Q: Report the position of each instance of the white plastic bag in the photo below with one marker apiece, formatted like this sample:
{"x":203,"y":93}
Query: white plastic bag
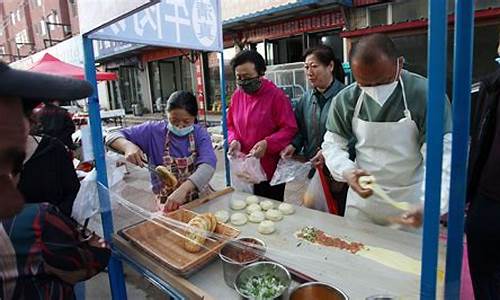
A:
{"x":289,"y":170}
{"x":245,"y":172}
{"x":86,"y":203}
{"x":314,"y":196}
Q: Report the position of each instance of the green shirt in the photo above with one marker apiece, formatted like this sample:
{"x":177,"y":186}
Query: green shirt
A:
{"x":341,"y":113}
{"x":313,"y":106}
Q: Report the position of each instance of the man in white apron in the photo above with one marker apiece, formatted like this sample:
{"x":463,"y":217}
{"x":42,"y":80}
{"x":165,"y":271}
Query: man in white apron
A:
{"x":385,"y":112}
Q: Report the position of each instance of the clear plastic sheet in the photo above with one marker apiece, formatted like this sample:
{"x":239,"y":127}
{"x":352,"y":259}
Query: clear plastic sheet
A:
{"x":289,"y":170}
{"x":359,"y":275}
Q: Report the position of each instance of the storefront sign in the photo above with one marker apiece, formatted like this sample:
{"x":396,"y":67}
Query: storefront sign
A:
{"x":96,"y":13}
{"x":105,"y":49}
{"x":189,"y":24}
{"x":292,"y":27}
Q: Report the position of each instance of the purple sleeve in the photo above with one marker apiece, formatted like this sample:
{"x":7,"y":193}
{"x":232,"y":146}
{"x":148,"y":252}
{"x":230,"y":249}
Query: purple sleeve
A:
{"x":204,"y":148}
{"x":141,"y":134}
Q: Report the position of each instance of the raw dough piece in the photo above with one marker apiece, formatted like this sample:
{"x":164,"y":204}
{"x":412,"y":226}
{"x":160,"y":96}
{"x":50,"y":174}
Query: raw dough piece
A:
{"x":238,"y":204}
{"x":266,"y":204}
{"x":274,"y":215}
{"x":286,"y":209}
{"x":266,"y":227}
{"x":222,"y":216}
{"x":256,"y":217}
{"x":239,"y":219}
{"x":253,"y":207}
{"x":252,"y":200}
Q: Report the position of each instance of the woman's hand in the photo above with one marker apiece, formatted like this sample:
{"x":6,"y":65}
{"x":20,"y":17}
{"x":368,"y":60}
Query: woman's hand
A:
{"x":259,"y":149}
{"x":179,"y":196}
{"x":134,"y":154}
{"x":288,"y":152}
{"x":318,"y":159}
{"x":234,"y":148}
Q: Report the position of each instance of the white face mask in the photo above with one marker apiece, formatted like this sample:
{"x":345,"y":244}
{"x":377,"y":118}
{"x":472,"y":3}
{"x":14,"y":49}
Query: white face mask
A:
{"x":381,"y":93}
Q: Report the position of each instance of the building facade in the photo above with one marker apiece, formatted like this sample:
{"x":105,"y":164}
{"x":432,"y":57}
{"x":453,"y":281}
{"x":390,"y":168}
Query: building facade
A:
{"x":29,"y":26}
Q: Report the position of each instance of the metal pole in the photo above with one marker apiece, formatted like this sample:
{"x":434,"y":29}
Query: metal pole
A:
{"x":224,"y":116}
{"x":115,"y":267}
{"x":435,"y":111}
{"x":462,"y":68}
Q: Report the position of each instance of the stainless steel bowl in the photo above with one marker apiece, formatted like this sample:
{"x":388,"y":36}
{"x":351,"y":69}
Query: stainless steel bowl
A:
{"x":260,"y":268}
{"x":230,"y":267}
{"x":317,"y":290}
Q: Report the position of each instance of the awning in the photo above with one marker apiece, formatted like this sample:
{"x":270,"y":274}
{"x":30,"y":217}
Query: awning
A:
{"x":52,"y":65}
{"x":289,"y":8}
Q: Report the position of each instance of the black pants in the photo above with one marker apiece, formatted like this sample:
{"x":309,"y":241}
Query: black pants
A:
{"x":483,"y":240}
{"x":276,"y":192}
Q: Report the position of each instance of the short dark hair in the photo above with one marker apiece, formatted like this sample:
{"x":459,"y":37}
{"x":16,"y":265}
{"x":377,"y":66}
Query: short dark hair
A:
{"x":249,"y":56}
{"x":369,"y":49}
{"x":183,"y":100}
{"x":326,"y":55}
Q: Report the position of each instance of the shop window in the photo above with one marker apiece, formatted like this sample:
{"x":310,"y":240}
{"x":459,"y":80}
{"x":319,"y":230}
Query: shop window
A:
{"x":283,"y":51}
{"x":127,"y":90}
{"x":404,"y":11}
{"x":213,"y":81}
{"x":331,"y":39}
{"x":377,"y":15}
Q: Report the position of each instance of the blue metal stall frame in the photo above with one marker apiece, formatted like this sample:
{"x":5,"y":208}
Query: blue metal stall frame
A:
{"x":436,"y":96}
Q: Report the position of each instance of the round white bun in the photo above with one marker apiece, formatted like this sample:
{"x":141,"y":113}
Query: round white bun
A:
{"x":222,"y":216}
{"x":266,"y":227}
{"x":266,"y":204}
{"x":286,"y":208}
{"x":256,"y":217}
{"x":252,"y":200}
{"x":252,"y":208}
{"x":274,"y":215}
{"x":239,"y":219}
{"x":238,"y":204}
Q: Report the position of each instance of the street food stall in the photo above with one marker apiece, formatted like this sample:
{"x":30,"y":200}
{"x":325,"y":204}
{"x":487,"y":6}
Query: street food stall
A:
{"x":184,"y":253}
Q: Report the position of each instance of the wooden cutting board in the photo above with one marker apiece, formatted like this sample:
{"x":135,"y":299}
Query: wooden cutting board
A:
{"x":155,"y":237}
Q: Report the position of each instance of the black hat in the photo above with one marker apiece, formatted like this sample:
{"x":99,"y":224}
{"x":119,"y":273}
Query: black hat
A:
{"x":37,"y":87}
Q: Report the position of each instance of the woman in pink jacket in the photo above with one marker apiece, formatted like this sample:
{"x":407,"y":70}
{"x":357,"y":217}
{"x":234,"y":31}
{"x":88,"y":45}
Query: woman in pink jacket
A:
{"x":260,"y":120}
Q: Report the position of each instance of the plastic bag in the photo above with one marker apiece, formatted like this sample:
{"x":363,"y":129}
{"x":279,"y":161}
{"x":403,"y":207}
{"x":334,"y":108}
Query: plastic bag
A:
{"x":314,"y":197}
{"x":245,"y":172}
{"x":289,"y":170}
{"x":86,"y":203}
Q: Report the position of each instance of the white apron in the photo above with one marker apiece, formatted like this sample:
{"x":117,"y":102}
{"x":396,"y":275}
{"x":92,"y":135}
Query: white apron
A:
{"x":390,"y":152}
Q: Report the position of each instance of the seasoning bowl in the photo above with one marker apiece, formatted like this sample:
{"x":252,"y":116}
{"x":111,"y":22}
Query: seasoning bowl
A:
{"x":260,"y":269}
{"x":317,"y":290}
{"x":240,"y":248}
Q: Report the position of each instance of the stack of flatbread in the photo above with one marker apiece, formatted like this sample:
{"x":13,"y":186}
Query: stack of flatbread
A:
{"x":198,"y":229}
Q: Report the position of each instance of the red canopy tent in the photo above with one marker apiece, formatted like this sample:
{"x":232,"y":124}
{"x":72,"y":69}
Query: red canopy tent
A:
{"x":52,"y":65}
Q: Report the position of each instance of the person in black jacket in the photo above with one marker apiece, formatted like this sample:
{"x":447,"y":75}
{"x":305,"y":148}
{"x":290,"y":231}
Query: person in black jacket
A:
{"x":483,"y":219}
{"x":48,"y":174}
{"x":55,"y":121}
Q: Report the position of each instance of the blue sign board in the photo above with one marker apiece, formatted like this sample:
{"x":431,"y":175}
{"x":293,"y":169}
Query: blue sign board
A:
{"x":189,"y":24}
{"x":105,"y":49}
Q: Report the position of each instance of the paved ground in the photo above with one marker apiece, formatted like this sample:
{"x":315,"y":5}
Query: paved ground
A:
{"x":136,"y":186}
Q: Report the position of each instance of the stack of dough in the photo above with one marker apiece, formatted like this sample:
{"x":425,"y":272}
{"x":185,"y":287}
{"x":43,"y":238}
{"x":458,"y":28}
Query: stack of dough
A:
{"x":198,"y":229}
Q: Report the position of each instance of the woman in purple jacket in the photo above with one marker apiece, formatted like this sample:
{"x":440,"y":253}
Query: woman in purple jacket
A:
{"x":179,"y":144}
